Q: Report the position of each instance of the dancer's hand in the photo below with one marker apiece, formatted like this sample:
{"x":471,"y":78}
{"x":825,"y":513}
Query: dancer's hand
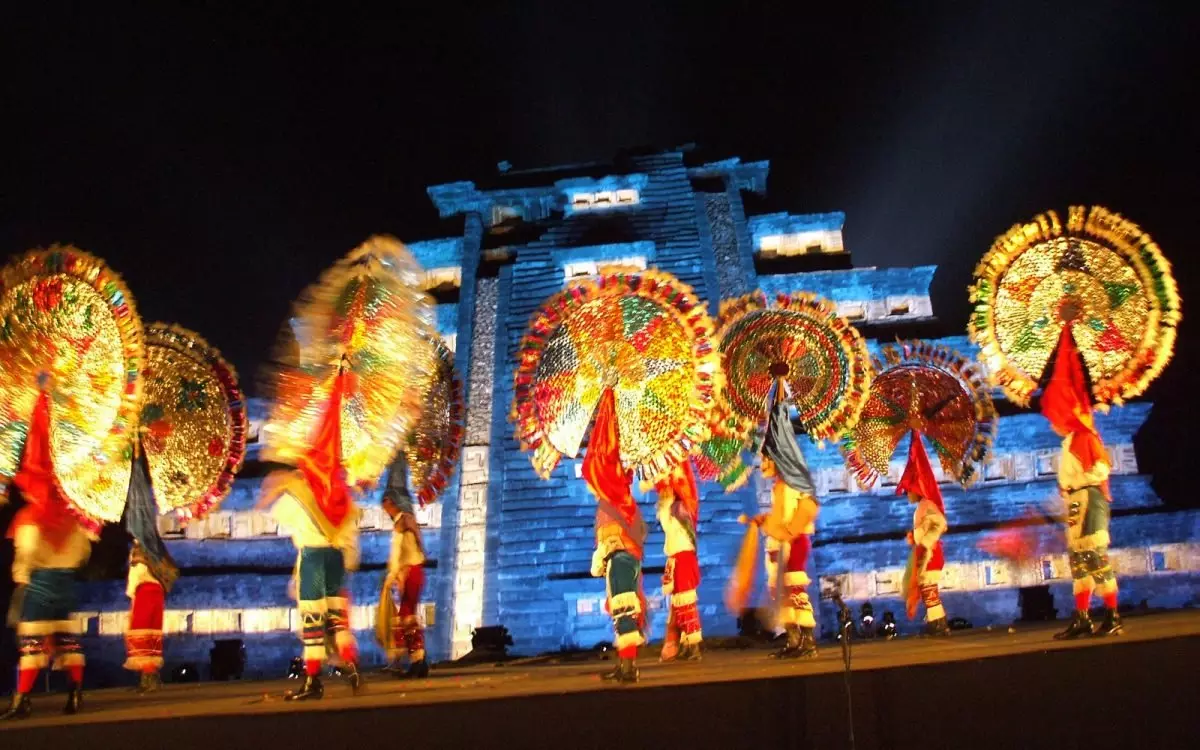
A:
{"x":598,"y":563}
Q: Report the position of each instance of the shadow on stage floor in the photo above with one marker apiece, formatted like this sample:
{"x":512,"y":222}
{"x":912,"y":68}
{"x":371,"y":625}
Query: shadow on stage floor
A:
{"x":980,"y":689}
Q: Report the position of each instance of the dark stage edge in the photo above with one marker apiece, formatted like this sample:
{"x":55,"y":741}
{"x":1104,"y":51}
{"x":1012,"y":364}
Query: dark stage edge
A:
{"x":976,"y":689}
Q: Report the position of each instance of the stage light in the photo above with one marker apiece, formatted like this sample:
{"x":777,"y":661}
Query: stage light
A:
{"x":867,"y":620}
{"x":185,"y":673}
{"x":888,"y":628}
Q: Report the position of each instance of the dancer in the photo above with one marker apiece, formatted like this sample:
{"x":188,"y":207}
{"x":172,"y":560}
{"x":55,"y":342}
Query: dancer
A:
{"x":405,"y":572}
{"x":924,"y":572}
{"x":152,"y":573}
{"x":1083,"y":469}
{"x":788,"y":528}
{"x":50,"y":546}
{"x":678,"y":513}
{"x":620,"y":538}
{"x":314,"y":504}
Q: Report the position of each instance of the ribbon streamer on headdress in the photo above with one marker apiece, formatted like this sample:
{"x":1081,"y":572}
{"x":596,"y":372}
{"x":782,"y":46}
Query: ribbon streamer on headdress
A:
{"x":608,"y":480}
{"x":1066,"y":405}
{"x":141,"y":521}
{"x":45,"y":506}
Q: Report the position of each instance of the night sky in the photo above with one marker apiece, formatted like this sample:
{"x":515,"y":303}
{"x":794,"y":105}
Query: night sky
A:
{"x":220,"y":160}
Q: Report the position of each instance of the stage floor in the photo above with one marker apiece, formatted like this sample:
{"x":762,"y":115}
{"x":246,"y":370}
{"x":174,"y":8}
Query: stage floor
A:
{"x":543,"y":677}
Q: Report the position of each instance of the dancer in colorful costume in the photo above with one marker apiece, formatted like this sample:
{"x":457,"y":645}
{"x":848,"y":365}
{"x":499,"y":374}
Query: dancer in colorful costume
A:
{"x":191,"y":443}
{"x":152,"y":573}
{"x":923,"y":391}
{"x":620,"y":538}
{"x":314,"y":504}
{"x":634,"y":348}
{"x":1083,"y":469}
{"x":929,"y":523}
{"x":72,"y":354}
{"x":679,"y":515}
{"x":789,"y":527}
{"x":1096,"y":294}
{"x":50,"y":547}
{"x":405,"y":572}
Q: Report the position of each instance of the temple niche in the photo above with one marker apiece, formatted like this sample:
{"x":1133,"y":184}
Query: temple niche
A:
{"x":507,"y":548}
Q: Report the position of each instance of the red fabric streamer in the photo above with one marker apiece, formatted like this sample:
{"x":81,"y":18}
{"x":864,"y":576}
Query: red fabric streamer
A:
{"x":606,"y":478}
{"x":322,"y":463}
{"x":1065,"y":403}
{"x":45,"y":506}
{"x":918,"y":477}
{"x":681,"y":483}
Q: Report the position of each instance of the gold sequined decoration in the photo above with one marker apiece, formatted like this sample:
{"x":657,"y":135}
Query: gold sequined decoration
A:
{"x":66,"y":316}
{"x":193,"y":421}
{"x":433,"y":446}
{"x":643,"y":334}
{"x":1100,"y":274}
{"x":802,"y":339}
{"x":368,"y":308}
{"x":930,"y":389}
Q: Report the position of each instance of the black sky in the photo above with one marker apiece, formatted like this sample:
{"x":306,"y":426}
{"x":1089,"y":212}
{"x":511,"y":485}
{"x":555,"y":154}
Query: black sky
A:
{"x":219,"y":158}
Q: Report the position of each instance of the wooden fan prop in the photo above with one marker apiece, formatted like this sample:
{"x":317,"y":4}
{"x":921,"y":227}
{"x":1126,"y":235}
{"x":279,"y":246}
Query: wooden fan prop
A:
{"x":801,"y":339}
{"x":646,"y":336}
{"x":433,"y":446}
{"x":922,"y":389}
{"x":368,"y":312}
{"x":1099,"y":274}
{"x":67,"y":318}
{"x":193,"y":421}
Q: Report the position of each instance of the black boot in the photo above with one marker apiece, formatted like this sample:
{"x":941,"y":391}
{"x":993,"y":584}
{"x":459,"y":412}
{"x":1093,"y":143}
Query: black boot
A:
{"x":149,"y":682}
{"x":689,"y":652}
{"x":1081,"y":624}
{"x":311,"y":690}
{"x":792,"y":648}
{"x":626,"y":672}
{"x":1111,"y":624}
{"x":418,"y":670}
{"x":21,"y":708}
{"x":937,"y":628}
{"x":808,"y":644}
{"x":353,"y":676}
{"x":74,"y":700}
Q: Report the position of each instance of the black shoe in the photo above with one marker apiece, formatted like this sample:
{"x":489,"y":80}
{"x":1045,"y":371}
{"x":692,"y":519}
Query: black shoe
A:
{"x":1111,"y":625}
{"x":808,"y":644}
{"x":626,"y":672}
{"x":792,"y":648}
{"x":937,"y":628}
{"x":418,"y":670}
{"x":149,"y":682}
{"x":311,"y":690}
{"x":1080,"y":625}
{"x":21,"y":708}
{"x":74,"y":701}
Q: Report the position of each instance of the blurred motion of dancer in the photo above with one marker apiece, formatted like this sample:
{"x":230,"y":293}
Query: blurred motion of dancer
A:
{"x":152,"y":573}
{"x":678,"y":513}
{"x":788,"y":527}
{"x":405,"y":572}
{"x":924,"y":571}
{"x":620,"y":538}
{"x":50,"y":547}
{"x":314,"y":504}
{"x":1083,"y":469}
